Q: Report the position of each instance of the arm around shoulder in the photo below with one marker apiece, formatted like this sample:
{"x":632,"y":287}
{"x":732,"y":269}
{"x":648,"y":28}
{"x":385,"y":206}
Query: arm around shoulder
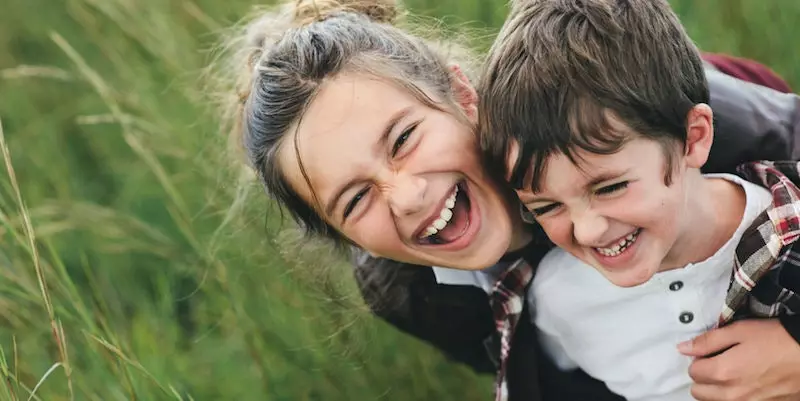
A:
{"x":792,"y":325}
{"x":752,"y":122}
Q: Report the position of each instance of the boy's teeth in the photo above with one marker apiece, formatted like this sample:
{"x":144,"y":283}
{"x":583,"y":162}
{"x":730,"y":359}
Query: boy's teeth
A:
{"x":444,"y":216}
{"x":620,"y":246}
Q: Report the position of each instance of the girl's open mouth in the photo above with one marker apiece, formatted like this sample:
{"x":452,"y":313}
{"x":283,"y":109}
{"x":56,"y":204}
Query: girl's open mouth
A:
{"x":452,"y":222}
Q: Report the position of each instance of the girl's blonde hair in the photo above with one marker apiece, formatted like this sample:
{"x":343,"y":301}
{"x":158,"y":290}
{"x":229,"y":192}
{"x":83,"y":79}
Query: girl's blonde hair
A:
{"x":274,"y":64}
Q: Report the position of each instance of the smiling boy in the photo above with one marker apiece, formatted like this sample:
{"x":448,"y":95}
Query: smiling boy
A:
{"x":601,"y":109}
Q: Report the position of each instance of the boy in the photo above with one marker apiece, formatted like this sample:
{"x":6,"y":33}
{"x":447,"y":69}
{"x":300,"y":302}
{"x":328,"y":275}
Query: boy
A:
{"x":601,"y":109}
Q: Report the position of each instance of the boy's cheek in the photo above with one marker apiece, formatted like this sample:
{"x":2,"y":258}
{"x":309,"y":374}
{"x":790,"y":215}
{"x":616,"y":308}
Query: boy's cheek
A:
{"x":525,"y":196}
{"x":511,"y":158}
{"x":525,"y":213}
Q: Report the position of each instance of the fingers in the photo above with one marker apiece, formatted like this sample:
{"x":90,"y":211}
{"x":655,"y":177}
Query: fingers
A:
{"x":711,"y":342}
{"x":712,"y":371}
{"x":713,"y":392}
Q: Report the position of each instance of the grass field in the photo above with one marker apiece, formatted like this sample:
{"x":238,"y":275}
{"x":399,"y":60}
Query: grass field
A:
{"x":133,"y":263}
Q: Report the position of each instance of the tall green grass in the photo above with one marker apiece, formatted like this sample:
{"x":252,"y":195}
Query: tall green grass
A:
{"x":134,"y":263}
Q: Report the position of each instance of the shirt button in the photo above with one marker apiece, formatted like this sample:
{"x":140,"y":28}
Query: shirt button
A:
{"x":676,"y":285}
{"x":686,"y":317}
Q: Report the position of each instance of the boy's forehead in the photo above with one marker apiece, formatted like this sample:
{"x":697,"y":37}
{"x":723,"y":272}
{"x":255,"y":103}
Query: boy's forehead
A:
{"x":583,"y":168}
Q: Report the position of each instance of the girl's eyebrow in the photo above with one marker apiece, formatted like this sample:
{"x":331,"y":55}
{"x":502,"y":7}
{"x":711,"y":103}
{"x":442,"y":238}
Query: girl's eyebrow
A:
{"x":387,"y":130}
{"x":335,"y":199}
{"x":382,"y":141}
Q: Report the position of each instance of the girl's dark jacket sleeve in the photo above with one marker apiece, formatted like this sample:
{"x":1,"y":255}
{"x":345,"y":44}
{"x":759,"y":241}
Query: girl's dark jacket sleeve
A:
{"x":751,"y":123}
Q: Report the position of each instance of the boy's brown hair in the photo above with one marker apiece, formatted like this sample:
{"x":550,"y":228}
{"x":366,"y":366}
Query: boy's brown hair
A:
{"x":560,"y":69}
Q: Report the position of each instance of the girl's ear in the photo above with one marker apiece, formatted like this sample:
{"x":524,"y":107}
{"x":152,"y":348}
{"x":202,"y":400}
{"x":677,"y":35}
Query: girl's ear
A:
{"x":465,"y":95}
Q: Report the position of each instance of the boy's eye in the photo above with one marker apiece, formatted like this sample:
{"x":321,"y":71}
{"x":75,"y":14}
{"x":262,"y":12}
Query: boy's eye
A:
{"x":544,"y":209}
{"x":402,"y":139}
{"x":609,"y":189}
{"x":354,"y":202}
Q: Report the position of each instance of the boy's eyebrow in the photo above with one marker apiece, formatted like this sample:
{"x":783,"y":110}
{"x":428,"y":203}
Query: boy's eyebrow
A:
{"x":596,"y":180}
{"x":605,"y":176}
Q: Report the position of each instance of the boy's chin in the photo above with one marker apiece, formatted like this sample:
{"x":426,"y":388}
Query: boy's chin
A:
{"x":627,"y":279}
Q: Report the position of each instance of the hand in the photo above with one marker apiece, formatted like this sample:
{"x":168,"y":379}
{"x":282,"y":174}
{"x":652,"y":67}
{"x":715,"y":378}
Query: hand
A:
{"x":757,"y":361}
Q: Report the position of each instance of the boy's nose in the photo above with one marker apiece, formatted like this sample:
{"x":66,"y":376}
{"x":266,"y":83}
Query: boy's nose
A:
{"x":407,"y":194}
{"x":589,"y":228}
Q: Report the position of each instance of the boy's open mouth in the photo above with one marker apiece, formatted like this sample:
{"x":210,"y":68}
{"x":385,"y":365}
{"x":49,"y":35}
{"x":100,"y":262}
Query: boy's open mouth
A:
{"x":452,"y":221}
{"x":621,"y":246}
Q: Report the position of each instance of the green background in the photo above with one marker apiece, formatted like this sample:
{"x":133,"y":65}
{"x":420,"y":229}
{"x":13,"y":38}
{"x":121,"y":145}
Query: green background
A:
{"x":166,"y":278}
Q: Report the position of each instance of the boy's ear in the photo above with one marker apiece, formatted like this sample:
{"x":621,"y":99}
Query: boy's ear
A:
{"x":465,"y":95}
{"x":699,"y":135}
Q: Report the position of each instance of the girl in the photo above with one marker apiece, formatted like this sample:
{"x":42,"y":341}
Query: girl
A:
{"x":364,"y":134}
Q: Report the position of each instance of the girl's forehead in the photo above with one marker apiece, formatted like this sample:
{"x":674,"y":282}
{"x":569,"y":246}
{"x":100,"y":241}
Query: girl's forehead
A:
{"x":340,"y":135}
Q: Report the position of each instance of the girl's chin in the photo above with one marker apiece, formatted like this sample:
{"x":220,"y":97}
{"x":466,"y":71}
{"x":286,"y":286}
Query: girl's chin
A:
{"x":484,"y":259}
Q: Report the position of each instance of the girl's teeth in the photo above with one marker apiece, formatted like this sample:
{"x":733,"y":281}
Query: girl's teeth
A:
{"x":446,"y":214}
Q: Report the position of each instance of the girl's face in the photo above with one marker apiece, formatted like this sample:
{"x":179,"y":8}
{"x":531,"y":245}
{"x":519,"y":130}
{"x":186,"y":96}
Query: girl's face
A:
{"x":400,"y":179}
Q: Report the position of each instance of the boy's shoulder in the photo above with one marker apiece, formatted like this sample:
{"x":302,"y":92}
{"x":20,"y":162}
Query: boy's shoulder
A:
{"x":555,"y":265}
{"x":754,"y":196}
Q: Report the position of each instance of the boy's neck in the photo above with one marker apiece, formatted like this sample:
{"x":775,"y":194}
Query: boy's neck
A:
{"x":715,"y":210}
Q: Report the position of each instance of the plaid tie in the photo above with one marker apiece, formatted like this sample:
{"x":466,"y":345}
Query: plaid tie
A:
{"x":506,"y":299}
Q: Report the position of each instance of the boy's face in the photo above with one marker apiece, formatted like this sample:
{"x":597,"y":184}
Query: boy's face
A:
{"x":615,"y":212}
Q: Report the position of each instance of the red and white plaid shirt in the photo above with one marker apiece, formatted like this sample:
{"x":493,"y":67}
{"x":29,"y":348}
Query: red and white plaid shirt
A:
{"x":766,"y":277}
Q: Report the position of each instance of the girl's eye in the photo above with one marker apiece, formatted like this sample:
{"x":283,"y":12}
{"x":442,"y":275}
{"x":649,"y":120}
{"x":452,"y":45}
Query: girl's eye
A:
{"x":612,"y":188}
{"x":545,"y":209}
{"x":354,"y":202}
{"x":402,"y":139}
